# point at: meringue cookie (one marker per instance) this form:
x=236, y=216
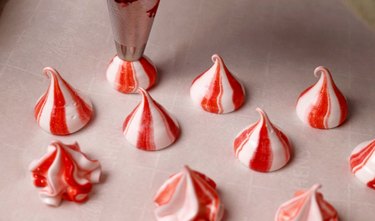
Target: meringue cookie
x=217, y=90
x=188, y=195
x=307, y=205
x=149, y=126
x=64, y=172
x=62, y=110
x=322, y=105
x=128, y=76
x=262, y=146
x=362, y=163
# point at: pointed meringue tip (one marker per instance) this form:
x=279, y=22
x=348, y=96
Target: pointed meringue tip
x=186, y=168
x=315, y=187
x=261, y=112
x=216, y=58
x=323, y=71
x=49, y=71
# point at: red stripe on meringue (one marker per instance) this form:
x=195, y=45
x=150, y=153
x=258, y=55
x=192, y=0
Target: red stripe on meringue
x=129, y=118
x=284, y=139
x=242, y=139
x=262, y=158
x=39, y=173
x=165, y=195
x=40, y=105
x=371, y=184
x=149, y=70
x=359, y=160
x=238, y=96
x=320, y=111
x=342, y=102
x=212, y=100
x=58, y=119
x=125, y=78
x=146, y=130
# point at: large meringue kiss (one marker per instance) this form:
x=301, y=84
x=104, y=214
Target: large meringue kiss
x=149, y=126
x=217, y=90
x=307, y=205
x=188, y=196
x=128, y=76
x=362, y=163
x=62, y=110
x=64, y=172
x=262, y=146
x=322, y=105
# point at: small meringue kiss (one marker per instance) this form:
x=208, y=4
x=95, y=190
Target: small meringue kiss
x=262, y=146
x=62, y=110
x=186, y=196
x=128, y=76
x=64, y=172
x=149, y=126
x=322, y=105
x=217, y=90
x=307, y=205
x=362, y=163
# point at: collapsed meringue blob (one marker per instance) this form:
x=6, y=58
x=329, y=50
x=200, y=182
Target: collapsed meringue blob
x=262, y=146
x=308, y=205
x=62, y=110
x=128, y=76
x=217, y=90
x=322, y=105
x=362, y=163
x=149, y=126
x=188, y=195
x=64, y=172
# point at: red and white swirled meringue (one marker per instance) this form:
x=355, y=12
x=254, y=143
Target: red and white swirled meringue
x=362, y=163
x=188, y=195
x=149, y=126
x=217, y=90
x=322, y=105
x=307, y=205
x=128, y=76
x=64, y=172
x=62, y=110
x=262, y=146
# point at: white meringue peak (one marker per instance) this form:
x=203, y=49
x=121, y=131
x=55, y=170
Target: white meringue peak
x=322, y=105
x=217, y=90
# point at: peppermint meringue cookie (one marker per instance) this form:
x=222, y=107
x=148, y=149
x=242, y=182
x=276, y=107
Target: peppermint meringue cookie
x=62, y=110
x=188, y=195
x=322, y=105
x=307, y=205
x=64, y=172
x=217, y=90
x=149, y=126
x=128, y=76
x=362, y=163
x=262, y=146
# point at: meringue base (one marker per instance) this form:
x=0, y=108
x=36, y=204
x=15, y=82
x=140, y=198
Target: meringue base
x=128, y=76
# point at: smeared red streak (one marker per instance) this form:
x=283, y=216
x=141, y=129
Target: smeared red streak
x=242, y=139
x=146, y=130
x=153, y=10
x=211, y=101
x=40, y=105
x=129, y=118
x=262, y=158
x=166, y=195
x=329, y=212
x=40, y=172
x=149, y=70
x=238, y=96
x=359, y=160
x=83, y=109
x=74, y=188
x=293, y=209
x=58, y=120
x=318, y=113
x=371, y=184
x=173, y=129
x=125, y=79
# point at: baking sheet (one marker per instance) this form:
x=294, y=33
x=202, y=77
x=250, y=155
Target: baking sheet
x=272, y=46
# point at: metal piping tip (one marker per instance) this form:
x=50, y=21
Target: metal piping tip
x=131, y=22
